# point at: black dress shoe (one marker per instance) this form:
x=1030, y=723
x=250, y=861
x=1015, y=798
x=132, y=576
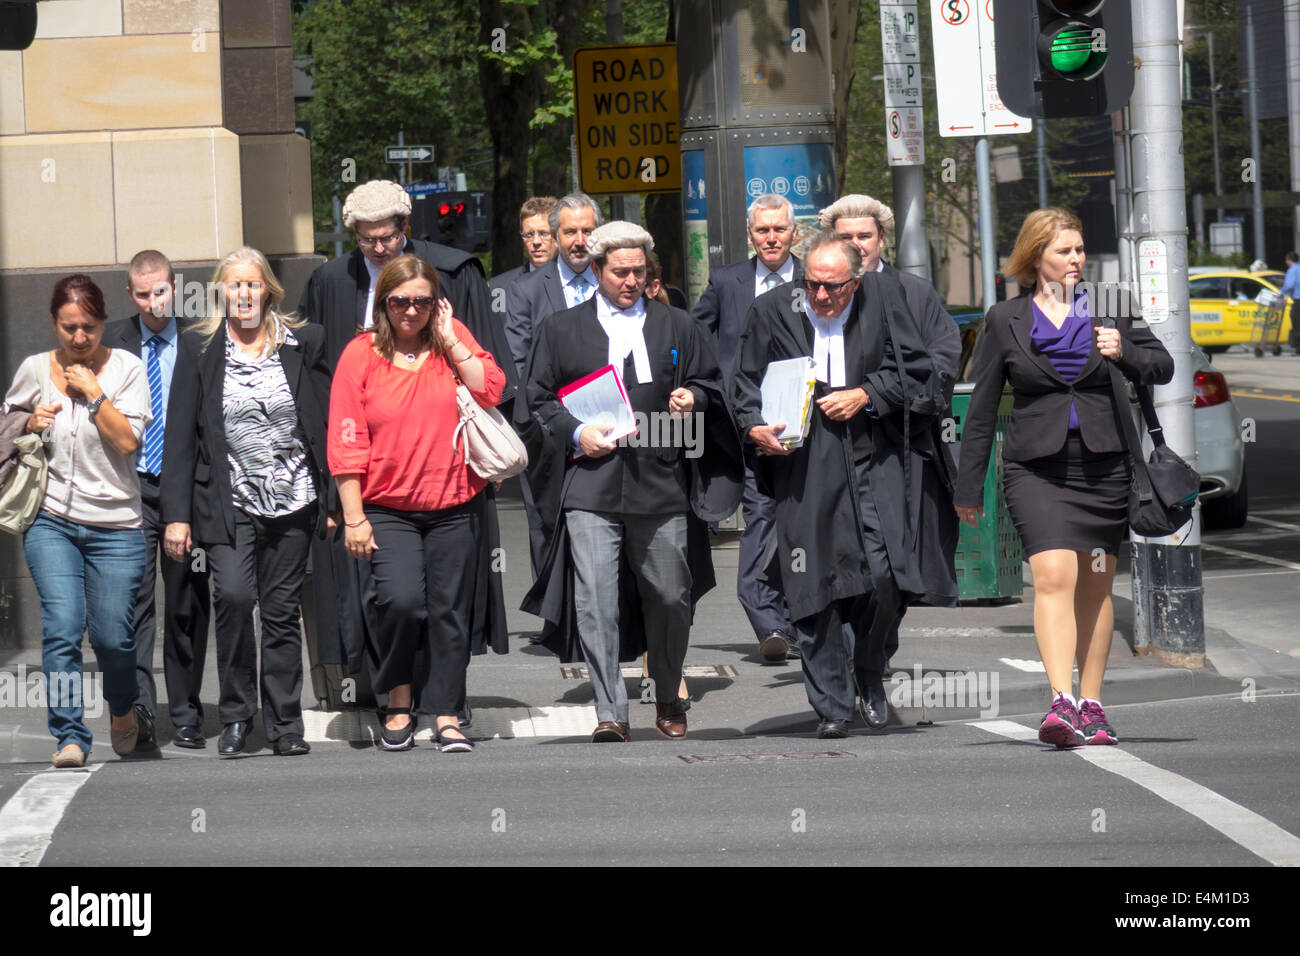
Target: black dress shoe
x=233, y=738
x=145, y=740
x=291, y=745
x=833, y=729
x=190, y=737
x=775, y=648
x=872, y=704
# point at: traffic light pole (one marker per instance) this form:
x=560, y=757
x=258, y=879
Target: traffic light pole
x=1168, y=610
x=913, y=249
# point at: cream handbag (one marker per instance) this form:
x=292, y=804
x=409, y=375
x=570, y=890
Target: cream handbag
x=491, y=446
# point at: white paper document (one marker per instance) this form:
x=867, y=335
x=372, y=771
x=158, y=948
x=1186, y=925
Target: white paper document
x=600, y=399
x=787, y=392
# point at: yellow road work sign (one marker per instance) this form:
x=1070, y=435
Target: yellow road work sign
x=627, y=119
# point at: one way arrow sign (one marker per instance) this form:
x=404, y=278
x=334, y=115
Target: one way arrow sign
x=411, y=154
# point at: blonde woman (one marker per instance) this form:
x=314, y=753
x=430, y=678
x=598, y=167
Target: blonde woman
x=244, y=479
x=1067, y=470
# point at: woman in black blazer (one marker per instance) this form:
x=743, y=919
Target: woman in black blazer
x=244, y=477
x=1067, y=468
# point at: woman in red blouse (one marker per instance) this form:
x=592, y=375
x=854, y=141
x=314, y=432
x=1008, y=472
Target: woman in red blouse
x=406, y=492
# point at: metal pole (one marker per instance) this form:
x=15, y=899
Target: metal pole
x=401, y=141
x=614, y=34
x=1291, y=15
x=1257, y=187
x=988, y=254
x=1214, y=129
x=1168, y=609
x=1123, y=197
x=1042, y=164
x=912, y=252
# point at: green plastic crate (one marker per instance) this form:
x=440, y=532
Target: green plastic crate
x=989, y=558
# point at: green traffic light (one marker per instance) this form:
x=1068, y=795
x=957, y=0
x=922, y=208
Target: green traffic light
x=1073, y=54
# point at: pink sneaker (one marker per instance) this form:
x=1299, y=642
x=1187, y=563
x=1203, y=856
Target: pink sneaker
x=1061, y=725
x=1095, y=728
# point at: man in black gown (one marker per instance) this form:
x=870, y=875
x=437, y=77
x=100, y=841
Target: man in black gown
x=842, y=499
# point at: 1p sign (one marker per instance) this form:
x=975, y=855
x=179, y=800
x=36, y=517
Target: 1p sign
x=625, y=100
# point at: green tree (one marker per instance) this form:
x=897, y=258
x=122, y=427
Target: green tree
x=377, y=68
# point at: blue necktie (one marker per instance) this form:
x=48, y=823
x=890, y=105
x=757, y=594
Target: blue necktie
x=580, y=286
x=153, y=435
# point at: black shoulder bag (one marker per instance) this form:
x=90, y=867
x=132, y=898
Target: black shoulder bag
x=1163, y=488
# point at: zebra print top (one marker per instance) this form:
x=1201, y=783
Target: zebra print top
x=270, y=472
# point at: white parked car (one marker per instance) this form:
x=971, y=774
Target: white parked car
x=1221, y=453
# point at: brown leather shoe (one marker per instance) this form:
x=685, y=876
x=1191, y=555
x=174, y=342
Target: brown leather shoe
x=611, y=732
x=671, y=720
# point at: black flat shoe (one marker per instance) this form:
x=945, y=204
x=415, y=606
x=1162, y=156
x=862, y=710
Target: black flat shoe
x=145, y=740
x=291, y=745
x=833, y=729
x=395, y=740
x=189, y=737
x=453, y=745
x=873, y=705
x=234, y=737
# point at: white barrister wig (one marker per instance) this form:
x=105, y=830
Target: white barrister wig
x=856, y=206
x=375, y=201
x=618, y=235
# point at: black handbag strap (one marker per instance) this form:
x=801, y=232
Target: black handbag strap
x=1122, y=404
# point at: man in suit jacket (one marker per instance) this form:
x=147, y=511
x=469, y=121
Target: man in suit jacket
x=151, y=283
x=722, y=308
x=560, y=284
x=842, y=498
x=864, y=221
x=627, y=503
x=339, y=296
x=539, y=249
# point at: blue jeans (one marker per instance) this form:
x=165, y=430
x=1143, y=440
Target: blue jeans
x=85, y=576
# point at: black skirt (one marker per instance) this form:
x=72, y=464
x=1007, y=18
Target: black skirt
x=1076, y=499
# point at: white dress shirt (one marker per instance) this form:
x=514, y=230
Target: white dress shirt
x=761, y=272
x=572, y=296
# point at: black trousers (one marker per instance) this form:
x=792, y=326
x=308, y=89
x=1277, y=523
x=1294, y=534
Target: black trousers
x=847, y=637
x=418, y=591
x=187, y=607
x=265, y=567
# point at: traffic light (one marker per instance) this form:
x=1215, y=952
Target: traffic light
x=462, y=220
x=1064, y=57
x=451, y=218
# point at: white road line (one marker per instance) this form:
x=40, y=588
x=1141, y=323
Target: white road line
x=1261, y=558
x=1274, y=524
x=1244, y=827
x=1245, y=574
x=28, y=820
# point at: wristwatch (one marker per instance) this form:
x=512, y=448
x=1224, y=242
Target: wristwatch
x=92, y=407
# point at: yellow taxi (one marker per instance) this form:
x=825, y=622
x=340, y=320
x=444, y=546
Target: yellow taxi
x=1227, y=306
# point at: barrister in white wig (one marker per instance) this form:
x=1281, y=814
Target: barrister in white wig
x=627, y=550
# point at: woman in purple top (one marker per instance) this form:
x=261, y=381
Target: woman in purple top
x=1066, y=465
